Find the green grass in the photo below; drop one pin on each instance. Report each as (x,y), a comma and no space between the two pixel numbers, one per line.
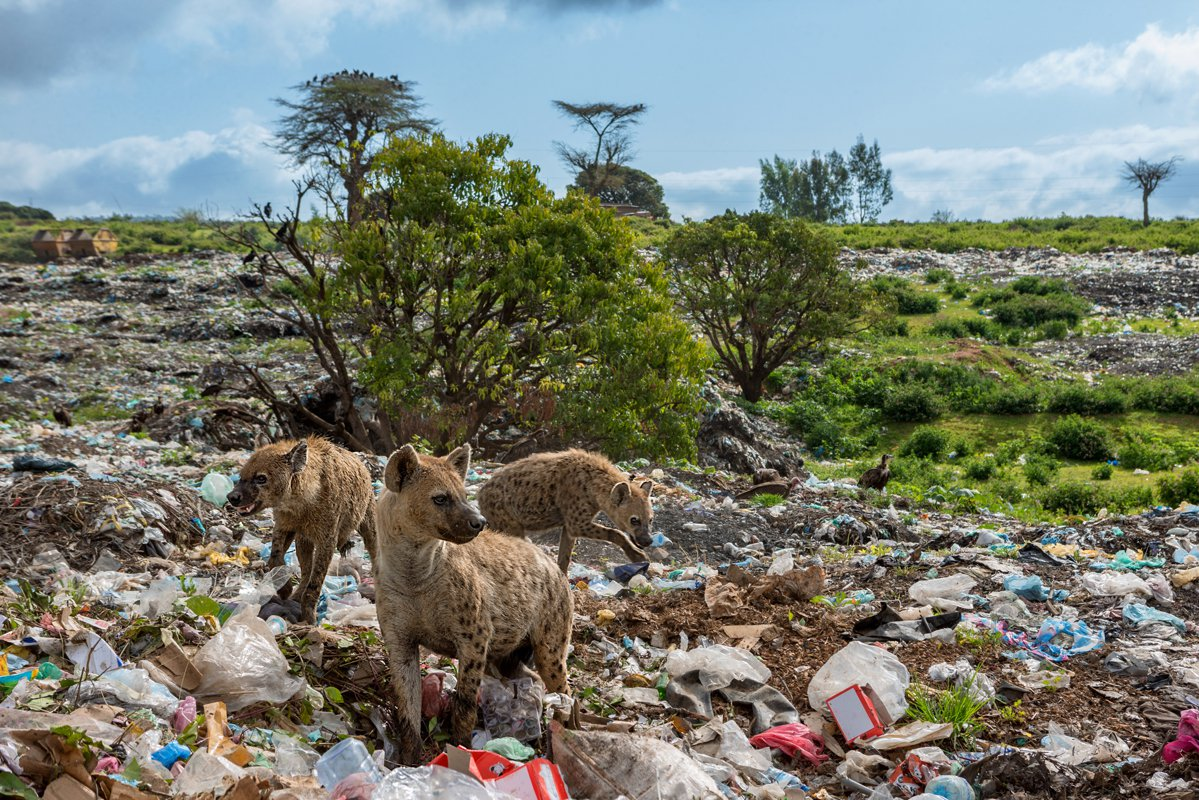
(166,236)
(954,705)
(1069,234)
(767,500)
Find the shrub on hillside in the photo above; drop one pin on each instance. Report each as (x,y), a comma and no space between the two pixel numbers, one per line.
(926,442)
(1012,400)
(908,299)
(938,275)
(1181,487)
(1072,497)
(1077,398)
(1103,472)
(981,469)
(1039,470)
(1080,439)
(912,402)
(1032,301)
(1140,453)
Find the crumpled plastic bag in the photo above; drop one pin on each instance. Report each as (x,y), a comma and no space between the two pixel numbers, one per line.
(793,739)
(243,665)
(1187,740)
(961,673)
(862,664)
(131,688)
(1115,584)
(1139,615)
(1069,750)
(913,733)
(724,664)
(945,593)
(604,766)
(434,783)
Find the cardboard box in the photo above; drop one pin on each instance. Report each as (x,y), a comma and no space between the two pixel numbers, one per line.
(855,711)
(537,780)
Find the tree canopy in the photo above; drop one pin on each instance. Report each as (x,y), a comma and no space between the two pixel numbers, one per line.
(628,186)
(1147,176)
(764,290)
(817,189)
(611,126)
(339,121)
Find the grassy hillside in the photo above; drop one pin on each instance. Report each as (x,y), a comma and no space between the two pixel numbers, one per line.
(136,236)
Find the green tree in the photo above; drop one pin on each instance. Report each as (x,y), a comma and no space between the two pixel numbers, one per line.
(610,124)
(479,291)
(339,121)
(628,186)
(871,182)
(817,189)
(764,290)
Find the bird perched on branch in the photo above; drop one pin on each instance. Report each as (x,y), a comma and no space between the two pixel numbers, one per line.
(877,477)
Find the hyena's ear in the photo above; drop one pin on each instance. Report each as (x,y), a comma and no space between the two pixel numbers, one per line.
(647,487)
(400,467)
(298,457)
(620,494)
(459,460)
(261,440)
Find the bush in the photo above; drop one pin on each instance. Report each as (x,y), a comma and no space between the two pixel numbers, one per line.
(926,442)
(1131,498)
(977,327)
(1080,439)
(1076,398)
(957,290)
(908,299)
(1149,455)
(1039,470)
(1031,301)
(1103,472)
(981,469)
(1181,487)
(1013,400)
(912,402)
(891,326)
(1072,497)
(938,275)
(1055,329)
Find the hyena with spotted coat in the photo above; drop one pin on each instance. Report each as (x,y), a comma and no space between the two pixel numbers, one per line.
(445,583)
(567,490)
(321,494)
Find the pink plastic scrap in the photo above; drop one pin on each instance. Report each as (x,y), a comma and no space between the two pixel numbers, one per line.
(1188,737)
(793,738)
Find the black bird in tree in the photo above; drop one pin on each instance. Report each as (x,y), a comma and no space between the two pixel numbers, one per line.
(62,415)
(248,257)
(266,210)
(877,477)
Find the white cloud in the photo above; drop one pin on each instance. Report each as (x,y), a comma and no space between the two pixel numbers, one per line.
(714,180)
(146,174)
(1155,63)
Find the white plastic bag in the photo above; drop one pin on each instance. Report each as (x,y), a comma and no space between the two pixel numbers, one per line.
(242,665)
(725,664)
(1115,584)
(604,766)
(943,593)
(861,664)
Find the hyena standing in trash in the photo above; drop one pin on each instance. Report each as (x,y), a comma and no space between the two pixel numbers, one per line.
(445,583)
(567,490)
(321,495)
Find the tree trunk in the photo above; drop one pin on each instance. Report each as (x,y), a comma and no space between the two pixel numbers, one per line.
(751,388)
(1145,207)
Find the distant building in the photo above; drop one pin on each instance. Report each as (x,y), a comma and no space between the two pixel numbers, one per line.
(48,245)
(627,210)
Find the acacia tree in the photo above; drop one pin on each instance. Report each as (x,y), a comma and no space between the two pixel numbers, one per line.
(1147,175)
(764,290)
(339,121)
(871,182)
(627,185)
(610,124)
(817,189)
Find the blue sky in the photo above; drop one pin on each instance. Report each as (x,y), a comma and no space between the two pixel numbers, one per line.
(986,110)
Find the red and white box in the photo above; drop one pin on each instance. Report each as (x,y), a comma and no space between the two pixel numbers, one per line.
(859,713)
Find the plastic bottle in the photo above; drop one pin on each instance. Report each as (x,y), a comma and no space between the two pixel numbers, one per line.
(950,787)
(344,759)
(277,624)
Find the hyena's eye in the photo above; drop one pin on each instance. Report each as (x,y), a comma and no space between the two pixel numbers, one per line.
(634,521)
(440,499)
(260,479)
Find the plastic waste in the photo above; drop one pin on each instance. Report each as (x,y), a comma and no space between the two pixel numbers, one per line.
(509,748)
(167,756)
(215,488)
(159,598)
(1163,592)
(358,786)
(1128,560)
(1187,576)
(293,757)
(1067,749)
(943,593)
(961,673)
(859,663)
(277,624)
(243,665)
(511,708)
(950,787)
(1115,584)
(132,688)
(347,757)
(206,773)
(784,561)
(433,783)
(1187,740)
(185,714)
(724,664)
(1139,615)
(793,739)
(912,734)
(599,765)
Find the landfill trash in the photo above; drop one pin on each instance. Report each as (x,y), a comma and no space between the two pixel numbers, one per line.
(1187,740)
(735,674)
(888,626)
(1139,615)
(39,464)
(242,665)
(215,488)
(912,734)
(910,775)
(862,664)
(793,739)
(1184,578)
(605,766)
(858,712)
(511,708)
(509,748)
(1127,560)
(961,673)
(1115,584)
(1031,588)
(347,757)
(292,756)
(433,783)
(950,787)
(943,593)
